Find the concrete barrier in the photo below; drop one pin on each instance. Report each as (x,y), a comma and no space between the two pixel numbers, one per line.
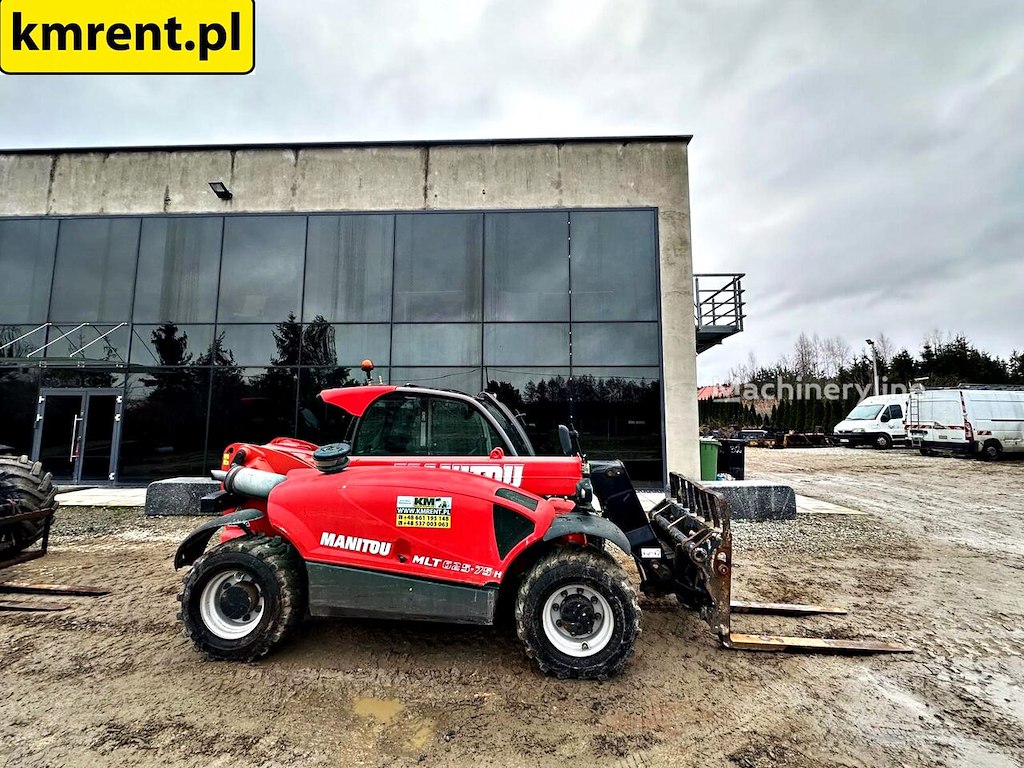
(756,501)
(178,495)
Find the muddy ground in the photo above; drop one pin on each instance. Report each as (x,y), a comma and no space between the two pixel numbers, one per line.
(937,562)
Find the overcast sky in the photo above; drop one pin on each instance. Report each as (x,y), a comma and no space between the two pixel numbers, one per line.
(861,162)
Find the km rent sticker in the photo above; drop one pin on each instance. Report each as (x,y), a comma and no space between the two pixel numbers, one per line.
(424,512)
(127,37)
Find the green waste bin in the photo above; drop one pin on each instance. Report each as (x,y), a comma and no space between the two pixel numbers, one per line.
(709,448)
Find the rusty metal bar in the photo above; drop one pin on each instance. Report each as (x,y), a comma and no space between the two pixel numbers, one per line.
(28,606)
(778,609)
(28,588)
(781,643)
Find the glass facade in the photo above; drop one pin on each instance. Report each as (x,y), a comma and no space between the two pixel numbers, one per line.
(224,328)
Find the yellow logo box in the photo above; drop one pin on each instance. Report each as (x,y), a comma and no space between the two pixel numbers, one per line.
(127,37)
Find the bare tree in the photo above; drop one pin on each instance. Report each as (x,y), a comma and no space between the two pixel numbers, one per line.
(836,354)
(936,338)
(744,372)
(886,348)
(805,357)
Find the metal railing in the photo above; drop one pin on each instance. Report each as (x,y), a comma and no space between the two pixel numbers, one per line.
(718,300)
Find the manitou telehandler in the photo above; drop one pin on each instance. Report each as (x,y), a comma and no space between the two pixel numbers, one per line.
(436,507)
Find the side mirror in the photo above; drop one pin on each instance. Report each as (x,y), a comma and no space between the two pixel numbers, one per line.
(884,418)
(564,439)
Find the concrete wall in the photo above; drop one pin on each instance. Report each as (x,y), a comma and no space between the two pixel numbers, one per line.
(509,175)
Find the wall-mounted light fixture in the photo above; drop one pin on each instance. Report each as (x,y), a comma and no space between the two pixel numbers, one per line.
(221,190)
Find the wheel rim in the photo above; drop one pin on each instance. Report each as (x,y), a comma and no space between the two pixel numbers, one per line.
(577,620)
(231,605)
(881,441)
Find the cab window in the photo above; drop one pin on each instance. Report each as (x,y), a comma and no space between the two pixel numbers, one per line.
(415,425)
(895,412)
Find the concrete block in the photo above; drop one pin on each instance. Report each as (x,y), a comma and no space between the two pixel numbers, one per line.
(178,496)
(756,501)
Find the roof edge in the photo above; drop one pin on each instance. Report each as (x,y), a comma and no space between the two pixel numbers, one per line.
(296,145)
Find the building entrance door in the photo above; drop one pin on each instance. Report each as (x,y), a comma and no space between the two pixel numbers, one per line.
(78,434)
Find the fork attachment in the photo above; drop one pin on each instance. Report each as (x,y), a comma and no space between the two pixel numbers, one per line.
(693,528)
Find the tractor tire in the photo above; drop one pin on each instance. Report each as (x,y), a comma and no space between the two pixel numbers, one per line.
(242,598)
(24,487)
(588,591)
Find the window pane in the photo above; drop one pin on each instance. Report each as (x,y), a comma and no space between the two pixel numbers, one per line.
(21,340)
(618,415)
(26,262)
(348,268)
(164,430)
(459,429)
(179,266)
(394,425)
(448,344)
(95,270)
(438,264)
(348,345)
(252,405)
(615,344)
(319,422)
(259,344)
(261,275)
(526,344)
(463,379)
(405,424)
(19,388)
(170,344)
(614,265)
(527,266)
(93,342)
(542,395)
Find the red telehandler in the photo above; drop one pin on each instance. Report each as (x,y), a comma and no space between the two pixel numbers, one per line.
(437,508)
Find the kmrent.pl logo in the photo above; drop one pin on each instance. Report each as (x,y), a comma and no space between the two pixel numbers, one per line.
(127,37)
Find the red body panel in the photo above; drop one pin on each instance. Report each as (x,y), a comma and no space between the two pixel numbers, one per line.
(542,475)
(359,518)
(280,455)
(355,400)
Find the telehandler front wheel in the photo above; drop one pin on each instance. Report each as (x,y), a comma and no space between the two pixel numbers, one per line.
(241,598)
(577,614)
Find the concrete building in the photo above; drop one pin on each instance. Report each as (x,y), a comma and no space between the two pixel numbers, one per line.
(146,320)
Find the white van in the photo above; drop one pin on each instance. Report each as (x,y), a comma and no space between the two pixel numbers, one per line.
(986,421)
(876,421)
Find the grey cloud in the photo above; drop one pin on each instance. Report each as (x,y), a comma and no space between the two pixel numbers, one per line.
(862,162)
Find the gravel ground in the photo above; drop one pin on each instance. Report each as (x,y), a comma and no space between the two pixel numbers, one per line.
(936,562)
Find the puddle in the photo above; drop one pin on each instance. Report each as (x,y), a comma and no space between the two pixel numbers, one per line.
(381,710)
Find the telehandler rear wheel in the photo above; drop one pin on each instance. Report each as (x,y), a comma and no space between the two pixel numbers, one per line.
(240,599)
(577,614)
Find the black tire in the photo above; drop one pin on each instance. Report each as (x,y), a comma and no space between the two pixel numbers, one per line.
(592,577)
(926,451)
(991,450)
(24,487)
(883,441)
(273,568)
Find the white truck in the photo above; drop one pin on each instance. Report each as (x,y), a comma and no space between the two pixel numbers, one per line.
(982,421)
(876,421)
